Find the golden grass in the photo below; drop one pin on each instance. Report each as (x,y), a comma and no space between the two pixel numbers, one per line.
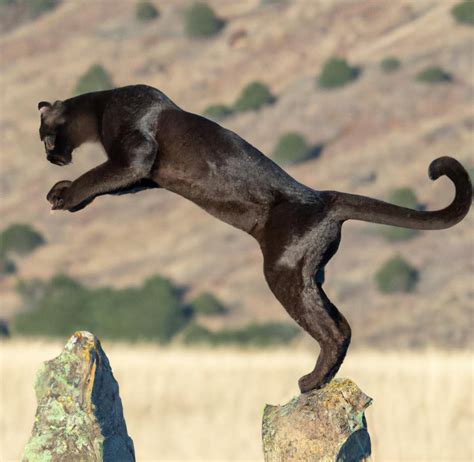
(206,404)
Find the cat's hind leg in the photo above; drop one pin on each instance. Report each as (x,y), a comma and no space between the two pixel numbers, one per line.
(293,269)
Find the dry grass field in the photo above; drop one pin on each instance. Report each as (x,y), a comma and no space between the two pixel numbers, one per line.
(206,404)
(385,128)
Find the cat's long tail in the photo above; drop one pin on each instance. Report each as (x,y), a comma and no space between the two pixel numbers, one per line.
(351,206)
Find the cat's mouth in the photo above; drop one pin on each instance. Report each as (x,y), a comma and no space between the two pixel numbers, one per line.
(57,160)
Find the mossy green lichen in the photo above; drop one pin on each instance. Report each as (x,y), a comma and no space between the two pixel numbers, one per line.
(70,424)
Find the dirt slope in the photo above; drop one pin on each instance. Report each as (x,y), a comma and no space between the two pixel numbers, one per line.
(383,124)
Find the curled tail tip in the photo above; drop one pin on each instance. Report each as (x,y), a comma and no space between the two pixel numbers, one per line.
(454,170)
(446,165)
(438,166)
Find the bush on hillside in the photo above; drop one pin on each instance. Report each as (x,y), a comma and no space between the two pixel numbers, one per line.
(200,21)
(464,12)
(146,11)
(390,64)
(31,291)
(405,197)
(38,7)
(58,313)
(291,149)
(4,330)
(336,73)
(255,95)
(7,267)
(153,311)
(396,275)
(207,304)
(195,334)
(96,78)
(20,239)
(217,111)
(261,335)
(433,75)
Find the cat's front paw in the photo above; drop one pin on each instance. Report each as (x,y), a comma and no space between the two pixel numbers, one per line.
(57,195)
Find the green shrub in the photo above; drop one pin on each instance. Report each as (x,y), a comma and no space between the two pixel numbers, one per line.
(262,335)
(153,311)
(390,64)
(207,304)
(396,275)
(255,95)
(291,148)
(433,74)
(195,334)
(336,73)
(95,79)
(7,266)
(59,312)
(4,330)
(38,7)
(464,12)
(405,197)
(217,111)
(200,21)
(146,11)
(20,239)
(31,291)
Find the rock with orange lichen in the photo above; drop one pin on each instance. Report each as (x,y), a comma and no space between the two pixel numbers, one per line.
(79,415)
(326,425)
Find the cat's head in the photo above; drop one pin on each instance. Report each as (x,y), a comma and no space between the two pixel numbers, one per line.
(54,134)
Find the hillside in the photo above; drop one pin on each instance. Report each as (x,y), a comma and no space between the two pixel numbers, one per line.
(379,132)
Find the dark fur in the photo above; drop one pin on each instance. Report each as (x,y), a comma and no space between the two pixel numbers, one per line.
(152,143)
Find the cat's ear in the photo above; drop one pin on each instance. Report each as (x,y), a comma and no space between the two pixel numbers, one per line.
(58,111)
(44,106)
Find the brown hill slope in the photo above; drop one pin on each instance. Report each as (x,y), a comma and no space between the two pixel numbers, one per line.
(386,124)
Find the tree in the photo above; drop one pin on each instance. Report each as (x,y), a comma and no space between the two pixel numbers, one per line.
(396,275)
(146,11)
(464,12)
(200,21)
(291,148)
(38,7)
(96,78)
(390,64)
(254,95)
(21,239)
(217,111)
(207,304)
(153,311)
(433,75)
(336,73)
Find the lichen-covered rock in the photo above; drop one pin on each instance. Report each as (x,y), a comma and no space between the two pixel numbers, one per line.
(79,415)
(326,425)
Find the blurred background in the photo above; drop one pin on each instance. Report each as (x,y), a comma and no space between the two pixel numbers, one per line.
(352,95)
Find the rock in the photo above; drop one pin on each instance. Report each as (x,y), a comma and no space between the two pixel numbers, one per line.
(79,415)
(326,425)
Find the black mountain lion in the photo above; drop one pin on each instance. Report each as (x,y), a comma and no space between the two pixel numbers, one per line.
(152,143)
